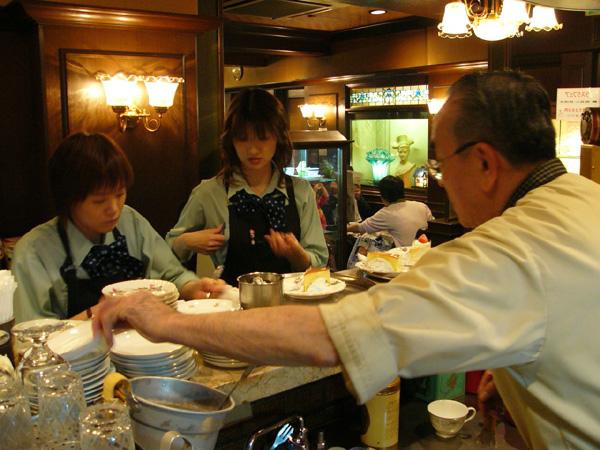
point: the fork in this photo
(282, 435)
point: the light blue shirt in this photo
(39, 254)
(207, 207)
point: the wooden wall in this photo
(72, 50)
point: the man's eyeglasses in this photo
(434, 166)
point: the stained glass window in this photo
(389, 95)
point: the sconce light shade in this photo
(119, 90)
(435, 104)
(314, 114)
(161, 90)
(121, 94)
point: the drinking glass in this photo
(61, 402)
(15, 417)
(106, 426)
(39, 358)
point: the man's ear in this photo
(489, 166)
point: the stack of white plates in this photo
(212, 306)
(165, 290)
(87, 355)
(135, 356)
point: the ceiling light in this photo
(493, 20)
(377, 12)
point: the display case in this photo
(321, 157)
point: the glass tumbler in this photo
(16, 430)
(106, 426)
(61, 401)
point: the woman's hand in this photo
(205, 241)
(198, 289)
(285, 245)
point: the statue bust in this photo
(405, 168)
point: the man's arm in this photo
(283, 335)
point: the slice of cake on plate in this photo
(418, 248)
(383, 262)
(316, 279)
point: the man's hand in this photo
(205, 241)
(285, 245)
(198, 289)
(139, 310)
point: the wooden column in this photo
(209, 51)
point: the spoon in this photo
(242, 378)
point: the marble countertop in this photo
(263, 381)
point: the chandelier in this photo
(494, 20)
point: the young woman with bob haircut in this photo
(62, 265)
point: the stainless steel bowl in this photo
(258, 289)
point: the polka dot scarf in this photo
(113, 260)
(271, 205)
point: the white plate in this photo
(389, 275)
(131, 344)
(293, 285)
(158, 364)
(159, 288)
(77, 342)
(205, 306)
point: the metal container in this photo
(258, 289)
(166, 410)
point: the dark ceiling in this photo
(258, 32)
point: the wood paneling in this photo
(76, 43)
(46, 13)
(165, 162)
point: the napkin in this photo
(7, 289)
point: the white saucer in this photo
(293, 287)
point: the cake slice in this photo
(383, 262)
(418, 248)
(316, 279)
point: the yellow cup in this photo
(383, 410)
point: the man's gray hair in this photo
(510, 110)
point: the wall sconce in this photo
(314, 114)
(121, 94)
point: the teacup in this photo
(449, 416)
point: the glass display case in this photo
(321, 157)
(390, 143)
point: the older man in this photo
(518, 293)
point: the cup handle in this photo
(169, 438)
(470, 413)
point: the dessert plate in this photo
(293, 287)
(364, 265)
(205, 306)
(77, 342)
(132, 345)
(161, 288)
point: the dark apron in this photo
(247, 250)
(85, 293)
